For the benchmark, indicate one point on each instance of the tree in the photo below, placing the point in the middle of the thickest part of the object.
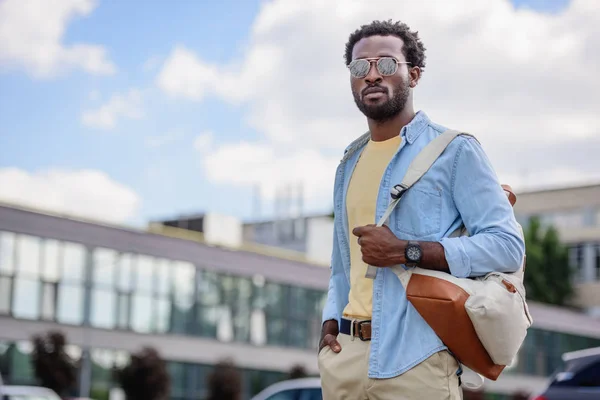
(145, 377)
(548, 276)
(225, 382)
(52, 366)
(298, 371)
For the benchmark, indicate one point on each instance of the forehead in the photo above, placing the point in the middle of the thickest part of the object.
(377, 46)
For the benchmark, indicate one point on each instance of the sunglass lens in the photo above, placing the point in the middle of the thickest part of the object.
(359, 68)
(387, 66)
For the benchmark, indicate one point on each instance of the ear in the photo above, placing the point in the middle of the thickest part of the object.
(415, 75)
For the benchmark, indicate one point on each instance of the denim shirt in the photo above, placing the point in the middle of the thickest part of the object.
(461, 188)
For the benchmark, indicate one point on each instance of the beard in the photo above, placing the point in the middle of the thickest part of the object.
(389, 109)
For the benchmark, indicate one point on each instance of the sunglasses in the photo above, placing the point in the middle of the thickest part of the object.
(386, 66)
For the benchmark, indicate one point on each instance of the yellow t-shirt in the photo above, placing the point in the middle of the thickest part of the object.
(361, 201)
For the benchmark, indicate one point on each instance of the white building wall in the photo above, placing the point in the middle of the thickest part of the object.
(319, 239)
(222, 230)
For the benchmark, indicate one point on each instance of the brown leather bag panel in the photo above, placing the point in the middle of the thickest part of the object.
(442, 306)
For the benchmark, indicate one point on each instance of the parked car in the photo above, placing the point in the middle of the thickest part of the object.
(9, 392)
(293, 389)
(578, 378)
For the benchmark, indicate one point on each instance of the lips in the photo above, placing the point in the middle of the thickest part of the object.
(373, 89)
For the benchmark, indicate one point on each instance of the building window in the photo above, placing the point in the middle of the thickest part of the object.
(597, 263)
(276, 305)
(7, 269)
(576, 255)
(209, 302)
(5, 294)
(71, 287)
(183, 285)
(104, 298)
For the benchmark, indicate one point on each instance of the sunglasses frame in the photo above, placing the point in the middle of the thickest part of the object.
(376, 61)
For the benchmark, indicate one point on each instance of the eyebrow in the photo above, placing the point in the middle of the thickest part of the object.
(378, 55)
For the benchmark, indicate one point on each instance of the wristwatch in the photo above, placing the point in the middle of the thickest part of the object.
(413, 254)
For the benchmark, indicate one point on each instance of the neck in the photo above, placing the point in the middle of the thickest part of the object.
(384, 130)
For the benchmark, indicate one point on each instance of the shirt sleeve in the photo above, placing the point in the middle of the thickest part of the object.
(495, 242)
(330, 309)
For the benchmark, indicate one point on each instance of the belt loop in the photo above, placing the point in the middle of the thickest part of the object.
(352, 329)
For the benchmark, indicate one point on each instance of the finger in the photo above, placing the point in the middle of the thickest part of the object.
(358, 231)
(331, 341)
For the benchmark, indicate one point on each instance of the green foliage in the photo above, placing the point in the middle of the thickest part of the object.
(52, 365)
(548, 276)
(145, 377)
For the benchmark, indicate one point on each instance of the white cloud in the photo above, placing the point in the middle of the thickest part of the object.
(94, 95)
(83, 193)
(204, 142)
(128, 105)
(152, 64)
(162, 140)
(249, 164)
(31, 34)
(511, 77)
(183, 74)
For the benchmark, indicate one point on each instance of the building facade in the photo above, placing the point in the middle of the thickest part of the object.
(307, 235)
(113, 290)
(575, 213)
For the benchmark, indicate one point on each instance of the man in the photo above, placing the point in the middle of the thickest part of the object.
(374, 345)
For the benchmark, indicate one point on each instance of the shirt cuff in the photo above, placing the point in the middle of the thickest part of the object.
(329, 312)
(457, 258)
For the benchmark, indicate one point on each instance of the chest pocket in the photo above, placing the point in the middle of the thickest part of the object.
(419, 213)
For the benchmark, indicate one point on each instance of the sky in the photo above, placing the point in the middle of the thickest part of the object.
(128, 114)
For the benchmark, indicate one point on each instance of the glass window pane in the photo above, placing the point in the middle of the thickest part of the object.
(26, 298)
(298, 334)
(48, 300)
(7, 253)
(73, 262)
(241, 317)
(28, 256)
(276, 331)
(299, 302)
(276, 298)
(163, 315)
(103, 308)
(70, 304)
(144, 274)
(141, 318)
(5, 294)
(20, 364)
(163, 284)
(209, 289)
(103, 273)
(183, 289)
(125, 271)
(225, 325)
(258, 328)
(51, 263)
(123, 311)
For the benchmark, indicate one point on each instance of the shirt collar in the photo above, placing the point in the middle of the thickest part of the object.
(415, 127)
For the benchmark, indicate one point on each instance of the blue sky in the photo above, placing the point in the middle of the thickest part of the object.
(153, 155)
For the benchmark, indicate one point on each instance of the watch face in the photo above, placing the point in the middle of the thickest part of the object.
(413, 253)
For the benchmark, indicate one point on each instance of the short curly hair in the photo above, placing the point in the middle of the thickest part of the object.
(413, 49)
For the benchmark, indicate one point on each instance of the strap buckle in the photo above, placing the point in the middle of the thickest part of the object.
(398, 190)
(360, 332)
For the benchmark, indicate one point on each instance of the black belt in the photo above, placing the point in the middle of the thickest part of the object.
(361, 329)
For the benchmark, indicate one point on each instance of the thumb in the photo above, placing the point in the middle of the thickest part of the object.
(332, 342)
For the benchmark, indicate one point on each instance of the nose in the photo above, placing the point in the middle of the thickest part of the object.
(373, 76)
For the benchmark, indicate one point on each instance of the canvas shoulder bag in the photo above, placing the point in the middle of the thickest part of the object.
(483, 321)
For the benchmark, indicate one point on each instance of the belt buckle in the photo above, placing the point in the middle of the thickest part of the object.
(360, 333)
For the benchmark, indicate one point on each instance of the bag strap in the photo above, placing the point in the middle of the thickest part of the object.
(417, 168)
